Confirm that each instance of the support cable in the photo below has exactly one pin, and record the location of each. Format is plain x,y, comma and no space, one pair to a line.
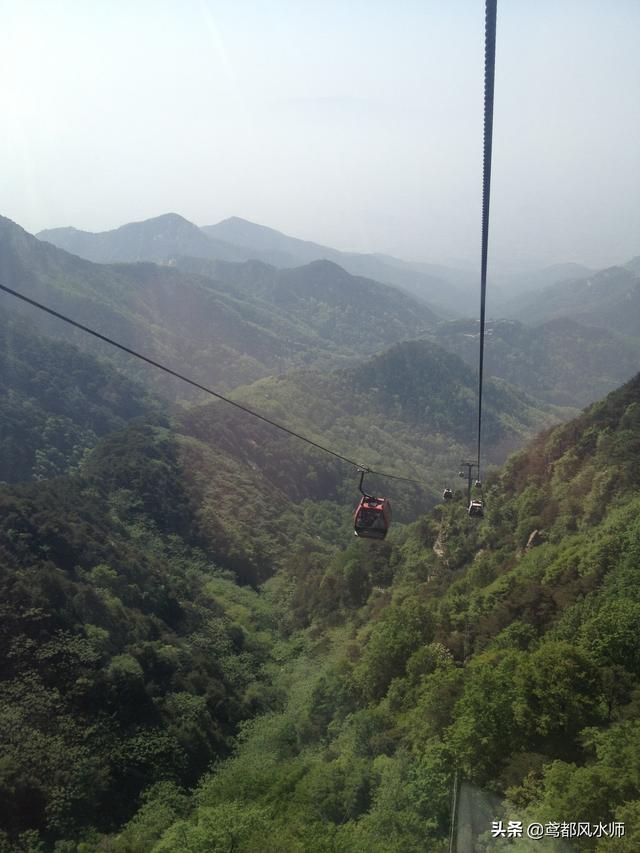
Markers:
489,78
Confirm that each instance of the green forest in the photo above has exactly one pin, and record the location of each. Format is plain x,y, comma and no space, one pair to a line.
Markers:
197,653
164,690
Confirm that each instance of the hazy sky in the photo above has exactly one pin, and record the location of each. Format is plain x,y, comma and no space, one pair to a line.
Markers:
356,124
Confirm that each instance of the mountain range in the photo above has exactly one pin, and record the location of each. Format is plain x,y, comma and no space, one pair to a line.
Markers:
446,290
263,319
217,332
609,299
166,237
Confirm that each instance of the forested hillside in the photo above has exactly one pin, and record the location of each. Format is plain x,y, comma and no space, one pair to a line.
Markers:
325,545
261,319
505,650
217,332
414,402
346,309
162,312
562,361
409,410
609,299
441,286
56,402
339,699
197,655
130,652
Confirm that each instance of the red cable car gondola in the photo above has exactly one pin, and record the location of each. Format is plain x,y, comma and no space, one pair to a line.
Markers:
372,517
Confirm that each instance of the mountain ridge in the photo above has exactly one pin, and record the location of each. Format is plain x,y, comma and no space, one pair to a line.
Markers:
149,240
157,239
212,331
609,298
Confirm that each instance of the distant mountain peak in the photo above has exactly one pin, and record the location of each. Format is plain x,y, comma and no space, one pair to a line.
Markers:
431,283
9,225
634,265
165,219
171,215
238,220
614,272
248,226
324,264
159,239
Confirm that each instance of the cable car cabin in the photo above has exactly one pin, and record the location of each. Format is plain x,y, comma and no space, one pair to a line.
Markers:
476,509
447,495
372,517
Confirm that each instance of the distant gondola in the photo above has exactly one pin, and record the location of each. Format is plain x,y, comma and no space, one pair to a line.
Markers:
476,509
447,495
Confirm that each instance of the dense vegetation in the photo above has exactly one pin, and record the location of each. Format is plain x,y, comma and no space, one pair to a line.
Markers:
55,402
325,301
230,323
413,405
374,670
197,656
560,361
131,654
510,656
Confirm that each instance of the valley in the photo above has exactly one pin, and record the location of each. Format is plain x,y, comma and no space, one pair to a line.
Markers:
196,648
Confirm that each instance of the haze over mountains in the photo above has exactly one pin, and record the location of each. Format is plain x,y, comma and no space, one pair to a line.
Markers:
285,336
546,276
387,398
230,323
609,299
169,236
565,364
158,239
216,331
450,292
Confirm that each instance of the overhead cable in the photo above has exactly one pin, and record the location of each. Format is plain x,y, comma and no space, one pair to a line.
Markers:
489,78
